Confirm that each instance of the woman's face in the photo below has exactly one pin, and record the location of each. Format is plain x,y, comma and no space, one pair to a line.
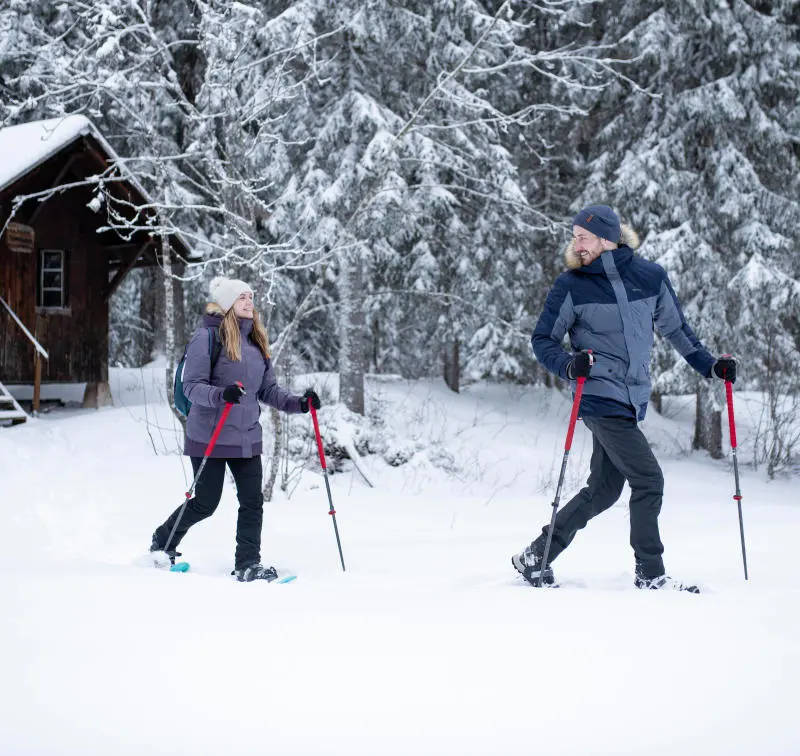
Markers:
243,306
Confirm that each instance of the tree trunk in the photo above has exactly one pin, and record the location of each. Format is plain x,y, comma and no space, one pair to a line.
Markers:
181,337
351,350
376,346
145,341
656,399
168,294
277,441
163,295
452,365
708,422
279,461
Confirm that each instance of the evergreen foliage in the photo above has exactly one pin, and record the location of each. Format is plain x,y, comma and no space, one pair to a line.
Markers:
395,178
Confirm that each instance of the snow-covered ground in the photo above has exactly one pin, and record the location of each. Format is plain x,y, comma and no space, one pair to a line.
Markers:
429,643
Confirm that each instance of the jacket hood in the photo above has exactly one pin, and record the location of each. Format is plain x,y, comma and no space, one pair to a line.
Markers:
628,238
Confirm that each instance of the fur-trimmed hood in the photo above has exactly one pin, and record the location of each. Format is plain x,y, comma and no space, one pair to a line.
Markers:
212,308
628,237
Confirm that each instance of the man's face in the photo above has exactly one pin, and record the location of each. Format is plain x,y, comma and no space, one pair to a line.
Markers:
587,245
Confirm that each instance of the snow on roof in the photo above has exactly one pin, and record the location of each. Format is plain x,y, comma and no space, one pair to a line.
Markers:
28,145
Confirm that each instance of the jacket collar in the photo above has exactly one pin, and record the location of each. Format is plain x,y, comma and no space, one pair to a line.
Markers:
214,320
621,257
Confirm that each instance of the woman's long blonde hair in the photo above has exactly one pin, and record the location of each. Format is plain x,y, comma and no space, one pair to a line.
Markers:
231,337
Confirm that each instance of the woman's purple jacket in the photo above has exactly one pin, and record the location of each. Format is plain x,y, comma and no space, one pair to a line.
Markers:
241,434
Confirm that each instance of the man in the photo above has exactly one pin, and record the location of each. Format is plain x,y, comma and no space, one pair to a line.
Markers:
608,302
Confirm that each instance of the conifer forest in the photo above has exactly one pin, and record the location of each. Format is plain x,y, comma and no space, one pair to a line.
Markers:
396,178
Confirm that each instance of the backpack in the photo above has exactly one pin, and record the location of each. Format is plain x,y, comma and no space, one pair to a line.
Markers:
182,403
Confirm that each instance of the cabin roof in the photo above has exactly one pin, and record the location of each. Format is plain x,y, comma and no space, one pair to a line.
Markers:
26,146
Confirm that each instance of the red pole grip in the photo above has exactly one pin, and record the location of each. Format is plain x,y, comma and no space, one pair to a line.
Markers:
573,418
317,434
576,403
731,422
218,429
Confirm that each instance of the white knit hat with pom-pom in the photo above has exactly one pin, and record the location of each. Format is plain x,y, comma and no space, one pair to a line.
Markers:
225,291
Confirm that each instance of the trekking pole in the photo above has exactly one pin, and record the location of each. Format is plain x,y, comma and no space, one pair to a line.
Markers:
738,495
211,444
331,510
567,446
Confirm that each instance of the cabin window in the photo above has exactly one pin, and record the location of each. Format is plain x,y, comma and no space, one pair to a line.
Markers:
52,278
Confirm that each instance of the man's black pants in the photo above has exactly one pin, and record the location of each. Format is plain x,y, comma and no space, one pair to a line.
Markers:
248,477
620,452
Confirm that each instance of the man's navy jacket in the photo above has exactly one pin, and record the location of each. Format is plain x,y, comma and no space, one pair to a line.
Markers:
611,306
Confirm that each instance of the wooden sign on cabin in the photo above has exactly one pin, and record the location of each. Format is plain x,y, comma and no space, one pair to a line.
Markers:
19,238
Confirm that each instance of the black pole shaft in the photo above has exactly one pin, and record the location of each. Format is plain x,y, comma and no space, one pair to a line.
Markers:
331,510
738,498
332,513
738,495
556,500
186,499
212,442
573,418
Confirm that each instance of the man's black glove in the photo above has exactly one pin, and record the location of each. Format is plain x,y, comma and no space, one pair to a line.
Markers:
233,394
725,368
580,365
310,396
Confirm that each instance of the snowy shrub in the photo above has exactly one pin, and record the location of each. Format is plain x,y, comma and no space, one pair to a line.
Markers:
400,453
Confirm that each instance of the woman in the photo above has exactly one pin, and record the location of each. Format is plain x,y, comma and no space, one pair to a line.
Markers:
242,376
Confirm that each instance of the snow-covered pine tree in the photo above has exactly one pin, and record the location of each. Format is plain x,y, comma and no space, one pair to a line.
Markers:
401,165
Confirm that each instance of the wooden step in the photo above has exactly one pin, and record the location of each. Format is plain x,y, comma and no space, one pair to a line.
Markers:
12,417
10,412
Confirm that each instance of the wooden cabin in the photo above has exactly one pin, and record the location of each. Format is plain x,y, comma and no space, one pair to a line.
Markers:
58,270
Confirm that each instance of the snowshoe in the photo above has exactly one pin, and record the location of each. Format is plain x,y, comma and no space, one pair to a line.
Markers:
256,572
664,583
161,557
530,567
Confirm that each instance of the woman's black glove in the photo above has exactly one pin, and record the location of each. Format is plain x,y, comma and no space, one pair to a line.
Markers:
310,396
725,368
233,394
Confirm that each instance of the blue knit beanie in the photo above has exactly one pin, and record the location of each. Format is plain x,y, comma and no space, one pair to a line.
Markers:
601,220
